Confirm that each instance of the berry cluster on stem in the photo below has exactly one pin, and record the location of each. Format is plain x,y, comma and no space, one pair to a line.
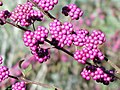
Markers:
61,35
99,74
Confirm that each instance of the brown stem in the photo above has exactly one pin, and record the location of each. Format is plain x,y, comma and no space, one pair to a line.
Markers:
59,48
113,65
13,77
34,26
33,82
15,25
40,84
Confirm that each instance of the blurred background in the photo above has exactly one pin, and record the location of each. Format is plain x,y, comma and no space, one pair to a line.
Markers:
61,70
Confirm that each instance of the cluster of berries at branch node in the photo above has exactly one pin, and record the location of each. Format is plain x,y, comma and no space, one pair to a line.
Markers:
61,34
4,73
4,14
73,11
34,40
46,5
99,74
90,46
25,15
19,86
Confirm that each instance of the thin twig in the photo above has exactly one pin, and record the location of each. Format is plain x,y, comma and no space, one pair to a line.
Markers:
33,26
113,65
13,77
59,48
33,82
15,25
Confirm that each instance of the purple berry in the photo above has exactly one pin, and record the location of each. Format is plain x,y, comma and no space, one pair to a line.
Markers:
97,73
46,5
41,33
4,72
40,54
19,86
73,11
4,14
25,15
29,39
61,33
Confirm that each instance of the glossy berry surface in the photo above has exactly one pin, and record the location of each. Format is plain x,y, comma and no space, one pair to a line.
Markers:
40,54
73,11
4,72
61,33
25,15
90,43
4,14
19,86
41,33
98,74
29,39
46,5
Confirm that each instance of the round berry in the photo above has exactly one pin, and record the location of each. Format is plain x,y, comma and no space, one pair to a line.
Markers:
73,11
19,86
4,72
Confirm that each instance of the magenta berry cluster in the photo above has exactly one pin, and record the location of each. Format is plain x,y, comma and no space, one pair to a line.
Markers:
82,38
73,11
4,73
94,54
79,37
25,15
46,5
40,54
28,39
41,33
98,73
35,15
4,14
19,86
33,39
90,45
61,33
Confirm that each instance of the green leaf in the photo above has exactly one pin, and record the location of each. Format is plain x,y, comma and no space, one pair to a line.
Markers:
9,87
27,70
